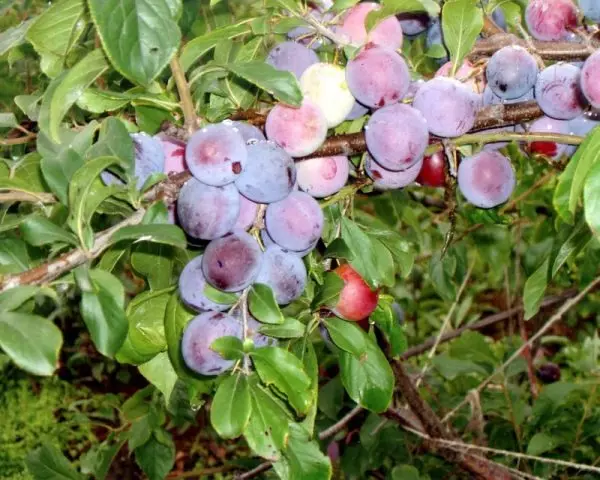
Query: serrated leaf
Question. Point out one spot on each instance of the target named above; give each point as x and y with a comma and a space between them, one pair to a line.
156, 457
199, 46
230, 348
231, 406
462, 22
48, 463
38, 230
369, 380
290, 328
263, 306
394, 7
534, 289
159, 233
285, 372
66, 89
282, 85
139, 36
33, 343
346, 336
328, 294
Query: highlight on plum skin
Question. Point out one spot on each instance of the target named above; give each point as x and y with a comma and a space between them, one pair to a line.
388, 33
231, 263
291, 57
323, 176
199, 334
249, 132
269, 175
299, 131
325, 85
552, 150
284, 272
384, 179
191, 287
378, 76
486, 179
357, 301
296, 222
207, 212
590, 78
397, 136
550, 20
216, 154
511, 72
558, 91
449, 107
432, 171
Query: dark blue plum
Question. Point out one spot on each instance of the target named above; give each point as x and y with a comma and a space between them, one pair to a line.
284, 272
558, 91
511, 72
292, 57
486, 179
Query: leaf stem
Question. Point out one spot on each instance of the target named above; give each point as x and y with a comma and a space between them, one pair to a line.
187, 103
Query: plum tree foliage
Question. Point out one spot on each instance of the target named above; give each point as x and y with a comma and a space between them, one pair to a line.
267, 208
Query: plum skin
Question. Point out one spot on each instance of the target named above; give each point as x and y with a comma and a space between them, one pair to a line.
357, 301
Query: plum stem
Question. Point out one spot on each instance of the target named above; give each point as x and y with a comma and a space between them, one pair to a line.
185, 96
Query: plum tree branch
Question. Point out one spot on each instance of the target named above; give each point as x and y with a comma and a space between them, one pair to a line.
553, 51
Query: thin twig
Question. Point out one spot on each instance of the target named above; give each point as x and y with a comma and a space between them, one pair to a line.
467, 447
21, 196
17, 141
187, 103
555, 318
444, 326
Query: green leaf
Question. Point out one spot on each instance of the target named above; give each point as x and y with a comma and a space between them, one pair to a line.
281, 84
102, 311
139, 36
441, 271
57, 29
305, 351
177, 316
450, 368
58, 171
13, 298
231, 406
462, 22
230, 348
364, 252
383, 316
13, 255
199, 46
160, 373
347, 336
38, 230
405, 472
98, 459
262, 304
7, 120
534, 289
591, 199
218, 296
48, 463
155, 262
369, 380
394, 7
159, 233
339, 249
13, 36
33, 343
578, 238
80, 197
285, 372
156, 457
66, 89
328, 294
304, 458
541, 443
114, 141
585, 158
290, 328
268, 427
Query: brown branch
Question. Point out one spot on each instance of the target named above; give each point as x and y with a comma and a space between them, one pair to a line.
480, 467
17, 141
166, 191
20, 196
482, 324
553, 51
327, 433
